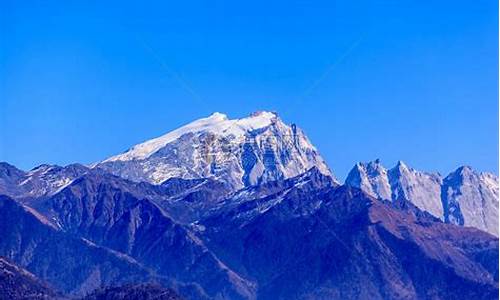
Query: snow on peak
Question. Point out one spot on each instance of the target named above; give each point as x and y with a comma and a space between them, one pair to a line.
216, 123
218, 116
401, 165
240, 152
265, 114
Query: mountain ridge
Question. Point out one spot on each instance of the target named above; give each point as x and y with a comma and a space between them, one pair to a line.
240, 152
260, 216
441, 196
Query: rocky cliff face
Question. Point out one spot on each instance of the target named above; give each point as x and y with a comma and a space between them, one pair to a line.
465, 197
471, 199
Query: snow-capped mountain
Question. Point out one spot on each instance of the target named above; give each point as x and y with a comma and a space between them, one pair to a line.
464, 197
248, 209
239, 152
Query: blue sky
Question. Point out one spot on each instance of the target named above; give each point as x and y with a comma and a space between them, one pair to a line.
409, 80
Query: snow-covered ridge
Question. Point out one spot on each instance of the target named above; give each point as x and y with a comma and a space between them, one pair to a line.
239, 152
217, 123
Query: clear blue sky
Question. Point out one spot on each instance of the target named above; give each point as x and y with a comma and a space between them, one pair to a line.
410, 80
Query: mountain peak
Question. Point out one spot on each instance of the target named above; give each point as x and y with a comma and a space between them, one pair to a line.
246, 151
472, 198
468, 173
264, 113
401, 165
217, 123
369, 167
400, 182
218, 116
460, 174
374, 165
371, 177
464, 197
465, 170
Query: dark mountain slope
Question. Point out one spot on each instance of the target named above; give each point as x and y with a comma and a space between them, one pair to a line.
70, 264
103, 209
347, 245
187, 200
299, 238
17, 283
134, 292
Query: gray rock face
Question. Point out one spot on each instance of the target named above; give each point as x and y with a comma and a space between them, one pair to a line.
420, 188
239, 152
464, 197
399, 183
372, 178
471, 199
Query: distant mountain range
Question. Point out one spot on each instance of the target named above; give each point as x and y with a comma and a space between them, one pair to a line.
246, 209
464, 197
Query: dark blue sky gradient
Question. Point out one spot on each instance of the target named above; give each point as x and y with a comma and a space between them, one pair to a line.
410, 80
